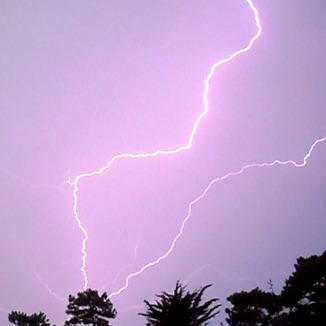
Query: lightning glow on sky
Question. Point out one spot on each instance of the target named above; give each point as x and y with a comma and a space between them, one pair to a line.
187, 146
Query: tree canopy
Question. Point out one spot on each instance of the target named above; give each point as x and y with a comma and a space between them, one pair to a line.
89, 308
181, 308
253, 308
304, 292
22, 319
302, 300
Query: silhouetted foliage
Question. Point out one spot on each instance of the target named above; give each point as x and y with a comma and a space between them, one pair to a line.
253, 308
304, 292
301, 302
89, 308
22, 319
181, 308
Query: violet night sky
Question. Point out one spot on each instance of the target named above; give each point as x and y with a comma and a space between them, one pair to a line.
82, 81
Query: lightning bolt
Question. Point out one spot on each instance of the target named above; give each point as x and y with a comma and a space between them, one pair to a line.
203, 194
187, 146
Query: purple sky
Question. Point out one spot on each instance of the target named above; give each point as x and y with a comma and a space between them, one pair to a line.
84, 81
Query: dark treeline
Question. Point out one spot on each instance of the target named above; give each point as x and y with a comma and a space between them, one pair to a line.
302, 301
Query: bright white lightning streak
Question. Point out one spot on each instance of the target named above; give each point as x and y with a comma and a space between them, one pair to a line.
203, 194
99, 171
175, 151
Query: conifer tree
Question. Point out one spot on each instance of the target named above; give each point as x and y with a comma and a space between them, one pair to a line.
89, 308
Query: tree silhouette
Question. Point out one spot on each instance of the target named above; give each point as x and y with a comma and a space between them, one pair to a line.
304, 292
302, 300
89, 308
181, 308
22, 319
253, 308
